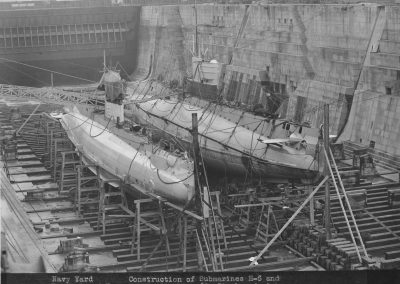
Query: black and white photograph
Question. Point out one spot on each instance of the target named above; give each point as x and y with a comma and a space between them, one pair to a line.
200, 141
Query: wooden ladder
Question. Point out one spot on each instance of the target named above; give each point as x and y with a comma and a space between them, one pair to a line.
113, 203
267, 219
50, 129
217, 216
59, 145
149, 220
87, 188
68, 170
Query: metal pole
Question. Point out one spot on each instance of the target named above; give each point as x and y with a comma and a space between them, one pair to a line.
52, 79
104, 61
289, 221
197, 194
327, 212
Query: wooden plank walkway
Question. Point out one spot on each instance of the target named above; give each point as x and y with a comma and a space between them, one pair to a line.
16, 163
26, 157
29, 186
24, 151
26, 178
21, 231
21, 170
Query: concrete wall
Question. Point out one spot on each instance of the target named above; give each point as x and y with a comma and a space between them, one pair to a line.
31, 35
161, 51
375, 114
313, 54
69, 40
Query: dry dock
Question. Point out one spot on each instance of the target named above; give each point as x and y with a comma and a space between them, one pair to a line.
301, 73
67, 232
54, 216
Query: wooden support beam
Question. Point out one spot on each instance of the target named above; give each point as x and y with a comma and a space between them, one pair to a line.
120, 216
185, 225
181, 209
172, 205
312, 210
59, 209
288, 222
68, 235
156, 248
251, 205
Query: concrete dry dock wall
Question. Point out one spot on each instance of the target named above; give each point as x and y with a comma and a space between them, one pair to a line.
161, 49
67, 40
309, 54
375, 117
375, 114
42, 34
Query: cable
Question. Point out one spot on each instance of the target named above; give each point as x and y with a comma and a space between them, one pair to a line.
80, 65
6, 81
48, 70
90, 132
174, 182
137, 152
260, 160
62, 131
161, 110
26, 74
250, 168
83, 121
205, 113
123, 69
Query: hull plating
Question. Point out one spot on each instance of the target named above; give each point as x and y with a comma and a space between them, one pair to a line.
117, 158
225, 146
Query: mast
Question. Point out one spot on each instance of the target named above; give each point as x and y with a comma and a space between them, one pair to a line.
104, 61
196, 44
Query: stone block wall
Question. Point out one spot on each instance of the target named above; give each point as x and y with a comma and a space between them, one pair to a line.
375, 114
312, 55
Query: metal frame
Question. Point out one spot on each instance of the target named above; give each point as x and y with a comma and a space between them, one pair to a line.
50, 95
